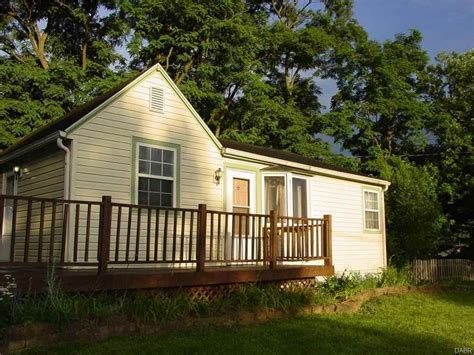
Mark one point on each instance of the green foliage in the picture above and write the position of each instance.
(414, 218)
(348, 284)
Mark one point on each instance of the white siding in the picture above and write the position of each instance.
(102, 148)
(353, 249)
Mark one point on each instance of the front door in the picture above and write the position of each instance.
(5, 241)
(241, 199)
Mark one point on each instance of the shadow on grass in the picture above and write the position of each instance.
(307, 335)
(459, 297)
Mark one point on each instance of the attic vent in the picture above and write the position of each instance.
(157, 100)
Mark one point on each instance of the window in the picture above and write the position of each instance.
(156, 176)
(275, 194)
(300, 197)
(371, 210)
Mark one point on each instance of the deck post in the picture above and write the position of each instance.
(328, 239)
(273, 238)
(104, 233)
(201, 238)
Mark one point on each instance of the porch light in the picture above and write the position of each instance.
(16, 169)
(218, 175)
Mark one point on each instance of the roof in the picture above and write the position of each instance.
(69, 119)
(284, 155)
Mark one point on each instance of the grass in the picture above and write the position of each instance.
(411, 323)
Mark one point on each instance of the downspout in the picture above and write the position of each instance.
(384, 190)
(67, 163)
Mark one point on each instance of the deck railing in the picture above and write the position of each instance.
(105, 234)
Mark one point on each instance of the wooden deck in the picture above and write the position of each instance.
(104, 245)
(34, 279)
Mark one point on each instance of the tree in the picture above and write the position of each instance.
(54, 56)
(414, 216)
(450, 88)
(379, 107)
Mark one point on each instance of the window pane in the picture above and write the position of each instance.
(143, 184)
(300, 202)
(166, 186)
(154, 199)
(143, 198)
(275, 194)
(166, 200)
(167, 170)
(156, 169)
(371, 200)
(144, 152)
(155, 185)
(143, 167)
(371, 220)
(156, 154)
(168, 156)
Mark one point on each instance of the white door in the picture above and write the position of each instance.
(241, 199)
(9, 188)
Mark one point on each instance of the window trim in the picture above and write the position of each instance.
(4, 182)
(176, 148)
(377, 192)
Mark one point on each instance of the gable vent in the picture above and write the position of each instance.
(157, 100)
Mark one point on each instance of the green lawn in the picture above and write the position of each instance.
(414, 323)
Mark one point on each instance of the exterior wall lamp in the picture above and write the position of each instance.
(218, 176)
(16, 170)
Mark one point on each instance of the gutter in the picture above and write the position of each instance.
(67, 163)
(33, 146)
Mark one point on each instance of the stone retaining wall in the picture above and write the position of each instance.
(19, 338)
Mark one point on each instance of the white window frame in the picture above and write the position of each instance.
(138, 174)
(364, 209)
(288, 176)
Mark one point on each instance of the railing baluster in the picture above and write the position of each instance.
(190, 243)
(28, 231)
(157, 231)
(88, 232)
(211, 241)
(226, 231)
(165, 236)
(76, 232)
(129, 233)
(40, 235)
(240, 238)
(219, 217)
(53, 232)
(181, 249)
(175, 226)
(64, 233)
(148, 234)
(117, 235)
(137, 237)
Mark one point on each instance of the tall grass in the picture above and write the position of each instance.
(57, 307)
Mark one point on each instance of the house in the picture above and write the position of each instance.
(142, 143)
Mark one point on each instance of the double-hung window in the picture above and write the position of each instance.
(156, 176)
(371, 210)
(300, 197)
